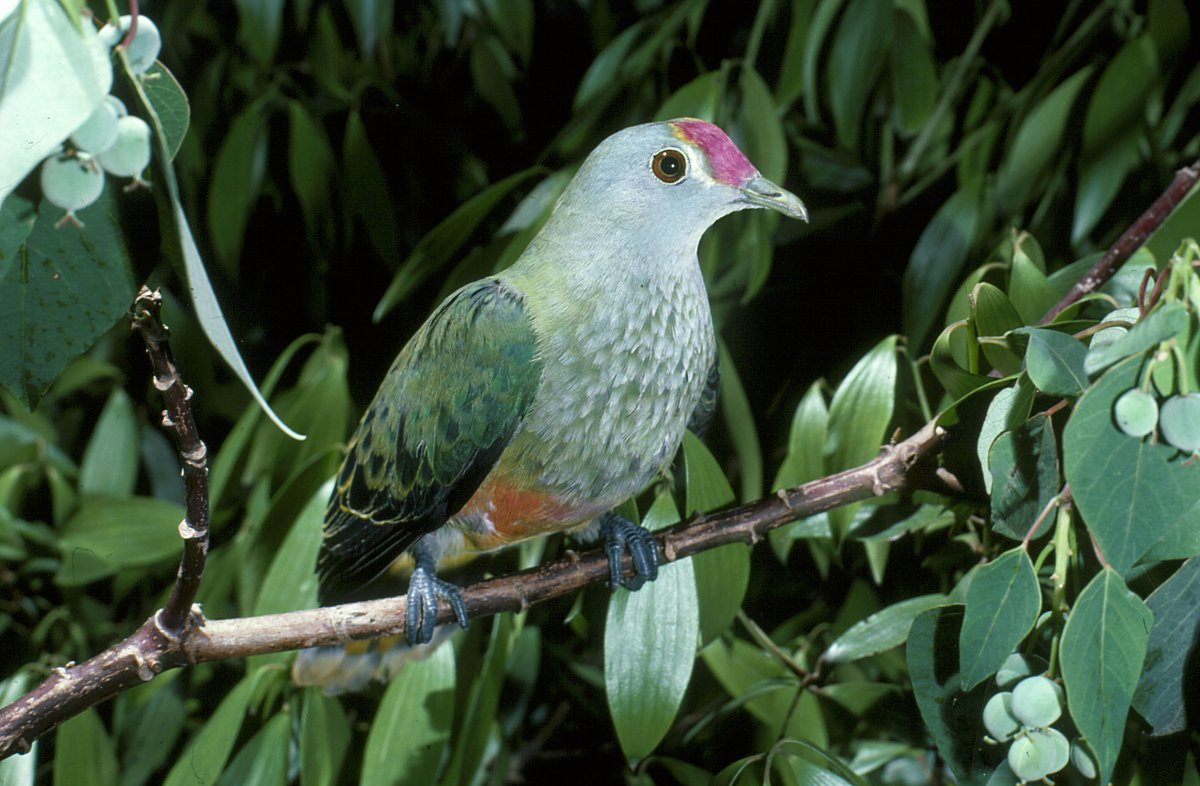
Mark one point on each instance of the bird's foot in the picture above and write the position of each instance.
(420, 613)
(621, 534)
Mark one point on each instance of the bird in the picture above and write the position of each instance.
(538, 399)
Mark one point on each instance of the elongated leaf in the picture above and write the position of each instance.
(756, 680)
(204, 299)
(914, 76)
(148, 720)
(739, 417)
(483, 700)
(259, 25)
(1023, 465)
(957, 381)
(994, 316)
(1120, 483)
(110, 461)
(110, 533)
(1003, 602)
(263, 759)
(881, 631)
(412, 724)
(324, 735)
(1161, 324)
(707, 487)
(310, 167)
(1008, 410)
(170, 105)
(83, 752)
(19, 769)
(859, 50)
(1167, 682)
(236, 182)
(646, 674)
(1103, 647)
(291, 583)
(205, 757)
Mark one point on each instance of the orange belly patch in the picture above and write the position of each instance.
(499, 514)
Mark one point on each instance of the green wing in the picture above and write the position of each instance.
(445, 412)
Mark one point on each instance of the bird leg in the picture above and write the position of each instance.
(424, 589)
(621, 534)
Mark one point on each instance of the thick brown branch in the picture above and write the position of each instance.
(150, 650)
(192, 453)
(1129, 241)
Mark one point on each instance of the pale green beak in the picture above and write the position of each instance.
(760, 192)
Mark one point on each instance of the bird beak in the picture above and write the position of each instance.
(760, 192)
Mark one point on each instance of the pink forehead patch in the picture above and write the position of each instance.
(727, 163)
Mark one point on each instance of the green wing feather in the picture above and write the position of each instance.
(448, 407)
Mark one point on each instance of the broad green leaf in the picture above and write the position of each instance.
(310, 167)
(937, 259)
(1028, 286)
(482, 704)
(204, 299)
(994, 315)
(1102, 650)
(412, 725)
(259, 25)
(914, 76)
(739, 418)
(1121, 484)
(324, 736)
(859, 50)
(881, 631)
(1008, 410)
(762, 138)
(237, 179)
(437, 248)
(44, 97)
(170, 105)
(1167, 23)
(1003, 602)
(19, 769)
(205, 756)
(957, 381)
(646, 674)
(1036, 144)
(83, 752)
(263, 760)
(698, 98)
(1161, 324)
(1162, 691)
(107, 534)
(290, 583)
(605, 70)
(1023, 465)
(1100, 181)
(805, 458)
(148, 720)
(64, 288)
(1055, 362)
(110, 460)
(707, 487)
(953, 718)
(722, 576)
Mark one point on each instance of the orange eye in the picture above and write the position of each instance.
(669, 165)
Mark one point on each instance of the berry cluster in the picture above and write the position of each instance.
(1023, 717)
(110, 140)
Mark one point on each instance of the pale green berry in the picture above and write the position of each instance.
(1036, 702)
(1136, 412)
(118, 106)
(130, 154)
(1180, 422)
(1015, 667)
(71, 182)
(98, 132)
(145, 46)
(1110, 334)
(1057, 742)
(1081, 757)
(1030, 758)
(998, 718)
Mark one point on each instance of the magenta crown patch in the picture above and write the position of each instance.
(725, 161)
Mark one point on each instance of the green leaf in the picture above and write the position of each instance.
(43, 98)
(739, 418)
(107, 534)
(290, 583)
(493, 72)
(805, 459)
(1100, 181)
(859, 50)
(367, 191)
(953, 718)
(170, 104)
(881, 631)
(1103, 647)
(110, 460)
(83, 752)
(722, 576)
(1161, 324)
(1007, 411)
(204, 299)
(649, 649)
(1036, 144)
(259, 26)
(263, 760)
(438, 247)
(1055, 362)
(937, 259)
(822, 21)
(412, 724)
(205, 756)
(1003, 602)
(482, 704)
(604, 72)
(994, 316)
(957, 381)
(237, 179)
(762, 138)
(1023, 465)
(1162, 692)
(707, 487)
(324, 736)
(1028, 286)
(1120, 483)
(62, 290)
(19, 769)
(915, 83)
(790, 85)
(149, 719)
(370, 19)
(698, 98)
(310, 167)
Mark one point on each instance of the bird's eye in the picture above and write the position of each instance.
(669, 165)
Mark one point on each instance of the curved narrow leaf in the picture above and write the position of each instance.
(1003, 602)
(859, 50)
(915, 83)
(324, 736)
(263, 760)
(739, 418)
(237, 179)
(19, 769)
(412, 725)
(110, 460)
(206, 754)
(1103, 647)
(882, 630)
(1161, 324)
(994, 316)
(83, 752)
(649, 649)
